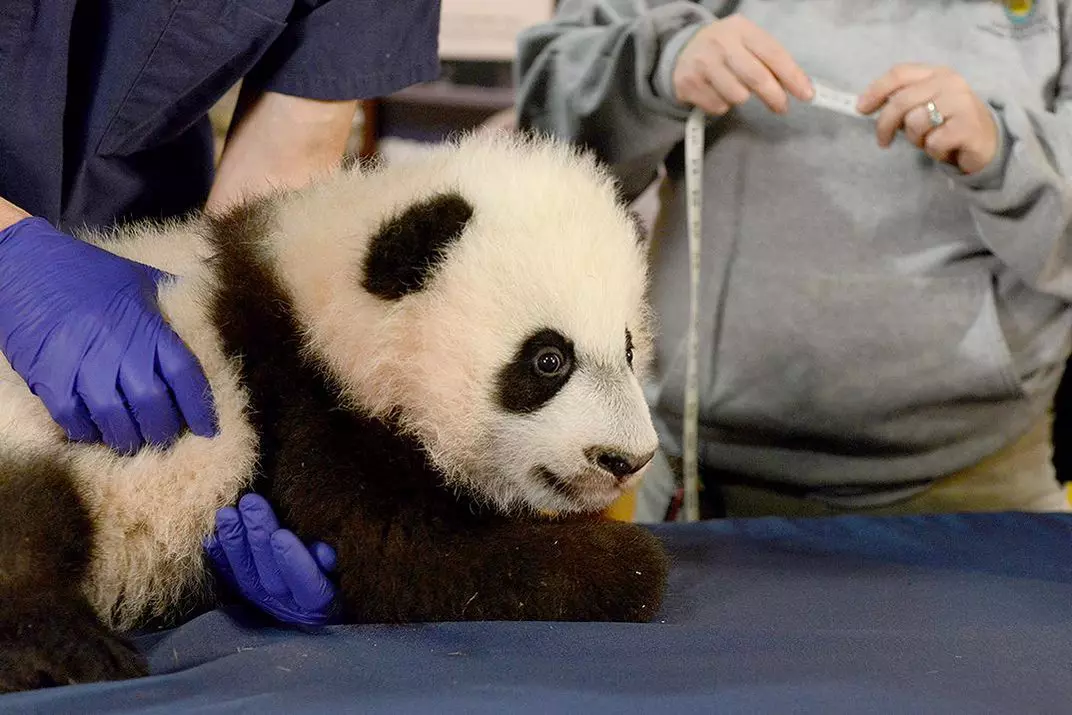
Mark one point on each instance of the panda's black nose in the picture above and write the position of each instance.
(620, 464)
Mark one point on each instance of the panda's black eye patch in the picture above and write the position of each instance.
(538, 370)
(404, 255)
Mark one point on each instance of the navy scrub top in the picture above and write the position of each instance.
(103, 103)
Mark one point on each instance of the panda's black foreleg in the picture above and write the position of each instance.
(501, 570)
(410, 550)
(49, 634)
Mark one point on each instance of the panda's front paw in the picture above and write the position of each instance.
(62, 643)
(632, 574)
(597, 570)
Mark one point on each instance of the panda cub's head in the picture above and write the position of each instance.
(490, 297)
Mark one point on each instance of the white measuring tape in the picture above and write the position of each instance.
(835, 100)
(825, 98)
(694, 149)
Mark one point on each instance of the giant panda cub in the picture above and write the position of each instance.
(432, 365)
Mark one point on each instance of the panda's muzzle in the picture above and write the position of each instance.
(621, 465)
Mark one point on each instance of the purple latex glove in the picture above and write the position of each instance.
(81, 326)
(270, 567)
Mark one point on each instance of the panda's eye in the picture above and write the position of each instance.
(629, 356)
(629, 347)
(549, 361)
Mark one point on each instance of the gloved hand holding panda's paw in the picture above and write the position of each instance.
(82, 327)
(270, 567)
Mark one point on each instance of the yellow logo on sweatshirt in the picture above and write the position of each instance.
(1019, 10)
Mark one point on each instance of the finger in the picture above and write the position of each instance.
(69, 412)
(780, 63)
(325, 556)
(232, 537)
(312, 591)
(159, 276)
(260, 524)
(700, 93)
(216, 554)
(900, 76)
(943, 142)
(98, 384)
(151, 403)
(900, 103)
(917, 124)
(758, 79)
(182, 373)
(725, 83)
(117, 428)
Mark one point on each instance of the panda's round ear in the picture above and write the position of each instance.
(403, 255)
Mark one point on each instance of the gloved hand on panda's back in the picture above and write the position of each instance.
(82, 327)
(270, 567)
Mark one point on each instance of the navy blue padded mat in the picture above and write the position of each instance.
(936, 614)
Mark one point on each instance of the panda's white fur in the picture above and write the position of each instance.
(151, 509)
(548, 244)
(547, 240)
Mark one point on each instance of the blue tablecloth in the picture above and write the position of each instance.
(944, 614)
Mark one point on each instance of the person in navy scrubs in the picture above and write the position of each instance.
(103, 119)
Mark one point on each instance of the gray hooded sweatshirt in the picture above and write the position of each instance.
(869, 317)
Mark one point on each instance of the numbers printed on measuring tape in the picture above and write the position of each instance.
(694, 140)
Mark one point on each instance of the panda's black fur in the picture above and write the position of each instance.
(409, 549)
(397, 512)
(404, 256)
(49, 634)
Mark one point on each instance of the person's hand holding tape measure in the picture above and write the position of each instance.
(732, 59)
(938, 112)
